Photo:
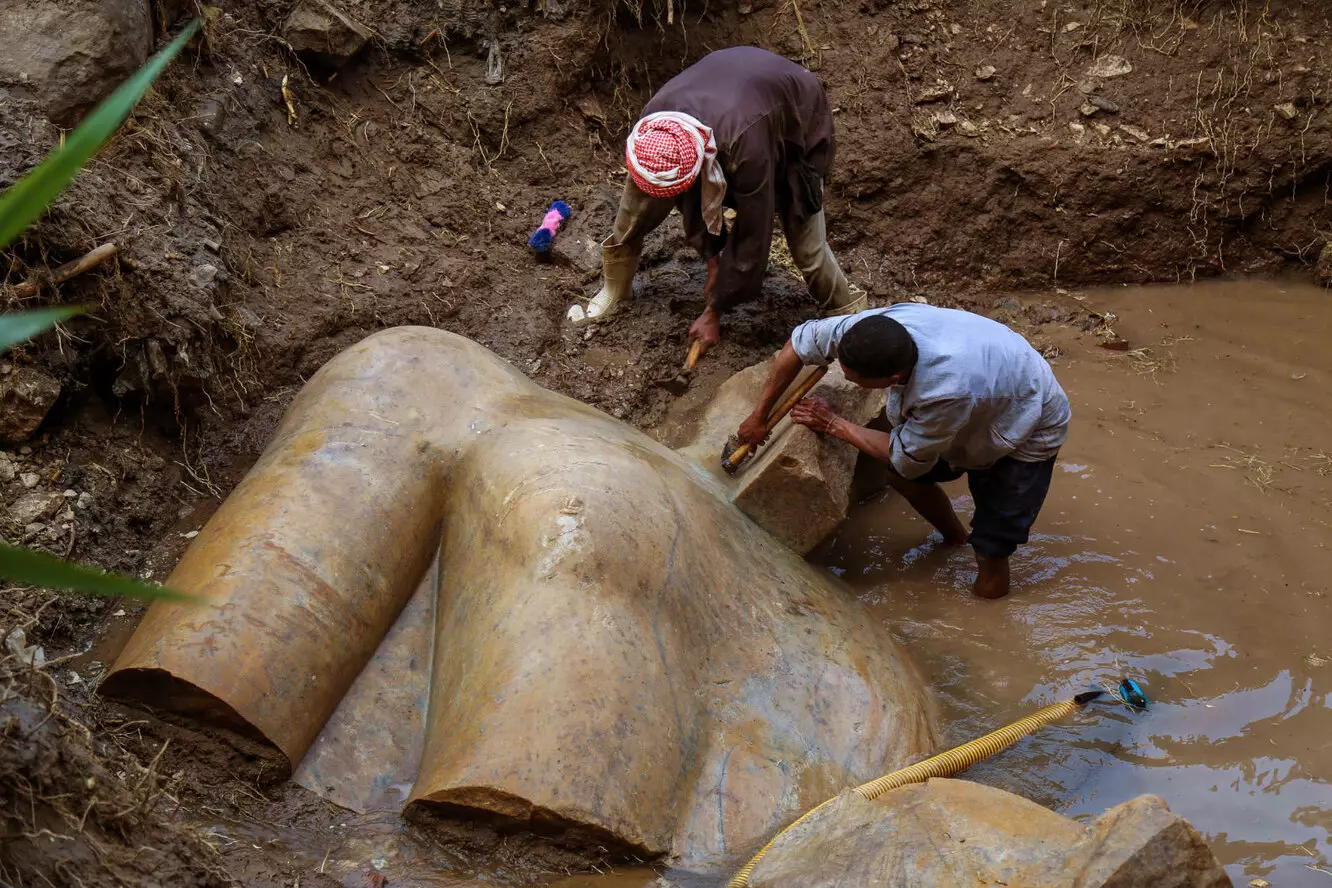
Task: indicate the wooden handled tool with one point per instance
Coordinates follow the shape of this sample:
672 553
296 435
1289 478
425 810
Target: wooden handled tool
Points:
695 352
735 453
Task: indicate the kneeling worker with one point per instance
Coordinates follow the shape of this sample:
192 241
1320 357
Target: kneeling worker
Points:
967 395
741 128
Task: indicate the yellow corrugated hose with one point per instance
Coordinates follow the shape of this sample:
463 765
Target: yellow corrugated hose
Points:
945 764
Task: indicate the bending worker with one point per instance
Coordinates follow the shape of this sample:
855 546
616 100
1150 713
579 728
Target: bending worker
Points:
742 128
966 395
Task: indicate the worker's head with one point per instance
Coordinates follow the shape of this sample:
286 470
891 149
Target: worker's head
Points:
665 152
877 352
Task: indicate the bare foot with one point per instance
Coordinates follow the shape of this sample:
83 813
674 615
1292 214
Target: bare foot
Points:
991 577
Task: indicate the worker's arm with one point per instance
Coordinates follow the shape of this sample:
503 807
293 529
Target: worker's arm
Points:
911 449
785 367
707 328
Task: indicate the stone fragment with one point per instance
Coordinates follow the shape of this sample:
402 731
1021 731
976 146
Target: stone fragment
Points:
985 72
29 479
1140 134
1323 268
935 92
926 834
798 487
16 642
70 54
202 276
26 396
1108 66
320 28
33 507
1287 110
1141 843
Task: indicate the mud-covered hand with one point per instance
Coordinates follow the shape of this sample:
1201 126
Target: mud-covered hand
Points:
754 430
707 329
814 413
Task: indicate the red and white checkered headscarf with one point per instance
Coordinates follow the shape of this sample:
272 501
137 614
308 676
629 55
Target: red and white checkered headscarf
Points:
667 151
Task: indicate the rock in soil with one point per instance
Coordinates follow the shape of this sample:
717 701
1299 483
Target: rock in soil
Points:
26 395
70 54
1323 269
1110 66
33 507
318 27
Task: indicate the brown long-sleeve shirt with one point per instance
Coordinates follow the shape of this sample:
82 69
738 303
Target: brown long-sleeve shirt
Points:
775 141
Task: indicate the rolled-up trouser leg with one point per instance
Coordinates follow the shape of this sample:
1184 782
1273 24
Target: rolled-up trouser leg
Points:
829 286
638 215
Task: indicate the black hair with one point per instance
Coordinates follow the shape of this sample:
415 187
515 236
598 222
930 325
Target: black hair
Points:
877 347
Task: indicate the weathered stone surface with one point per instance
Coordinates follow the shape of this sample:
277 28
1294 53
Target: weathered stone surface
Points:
1108 66
1141 843
953 832
319 27
798 486
72 53
26 395
1323 269
32 507
607 643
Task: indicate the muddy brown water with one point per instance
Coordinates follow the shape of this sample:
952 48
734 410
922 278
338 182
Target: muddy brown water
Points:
1185 544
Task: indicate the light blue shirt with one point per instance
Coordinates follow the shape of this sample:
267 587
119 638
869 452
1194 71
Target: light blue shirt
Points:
979 391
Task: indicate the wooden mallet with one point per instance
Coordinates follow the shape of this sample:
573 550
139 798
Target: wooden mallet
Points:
735 453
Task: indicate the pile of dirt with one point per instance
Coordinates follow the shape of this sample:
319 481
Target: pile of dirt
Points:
76 815
309 172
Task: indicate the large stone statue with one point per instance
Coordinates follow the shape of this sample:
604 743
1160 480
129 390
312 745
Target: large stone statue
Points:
598 640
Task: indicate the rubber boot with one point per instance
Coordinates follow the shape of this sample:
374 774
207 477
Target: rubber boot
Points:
846 300
618 264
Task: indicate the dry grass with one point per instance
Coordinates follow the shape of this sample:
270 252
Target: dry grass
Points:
779 256
1257 471
1150 362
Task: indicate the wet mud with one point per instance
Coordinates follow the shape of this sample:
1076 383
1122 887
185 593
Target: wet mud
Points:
1187 543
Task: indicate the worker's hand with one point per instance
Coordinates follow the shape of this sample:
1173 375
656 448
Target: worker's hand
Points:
814 413
707 329
754 430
